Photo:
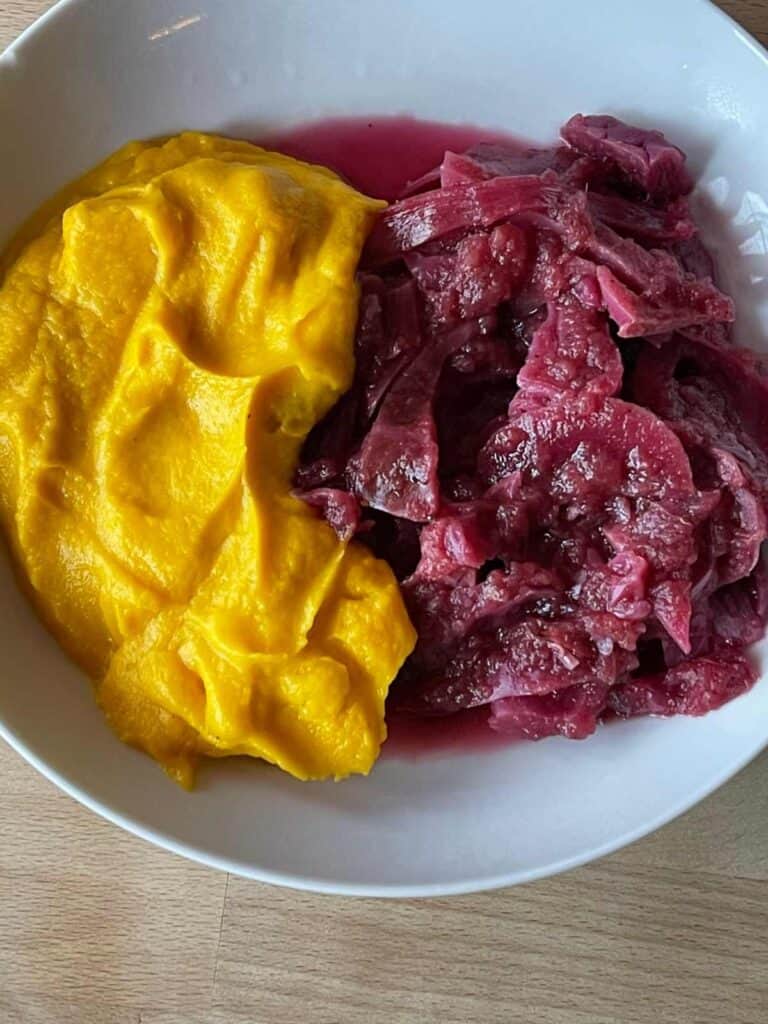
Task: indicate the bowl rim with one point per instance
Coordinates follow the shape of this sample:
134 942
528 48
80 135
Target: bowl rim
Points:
309 883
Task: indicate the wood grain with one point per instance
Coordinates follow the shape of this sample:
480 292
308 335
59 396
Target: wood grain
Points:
97 927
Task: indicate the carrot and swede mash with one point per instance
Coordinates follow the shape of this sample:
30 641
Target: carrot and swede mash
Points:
171 327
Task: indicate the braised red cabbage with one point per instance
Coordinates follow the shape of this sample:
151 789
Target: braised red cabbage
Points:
553 440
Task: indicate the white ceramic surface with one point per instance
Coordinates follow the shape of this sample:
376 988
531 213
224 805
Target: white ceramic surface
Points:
95 73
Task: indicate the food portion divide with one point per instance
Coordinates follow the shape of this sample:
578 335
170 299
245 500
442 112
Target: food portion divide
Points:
553 440
540 427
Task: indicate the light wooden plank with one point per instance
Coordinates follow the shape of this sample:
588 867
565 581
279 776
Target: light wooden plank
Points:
16 15
95 924
602 944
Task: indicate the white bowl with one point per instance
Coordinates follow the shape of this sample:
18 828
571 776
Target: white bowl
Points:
95 73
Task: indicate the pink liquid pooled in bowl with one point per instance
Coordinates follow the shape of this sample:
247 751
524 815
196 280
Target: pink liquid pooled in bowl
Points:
380 155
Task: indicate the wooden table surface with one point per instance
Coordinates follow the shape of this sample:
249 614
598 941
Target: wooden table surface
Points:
98 927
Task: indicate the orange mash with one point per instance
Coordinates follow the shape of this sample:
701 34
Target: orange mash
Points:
171 327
